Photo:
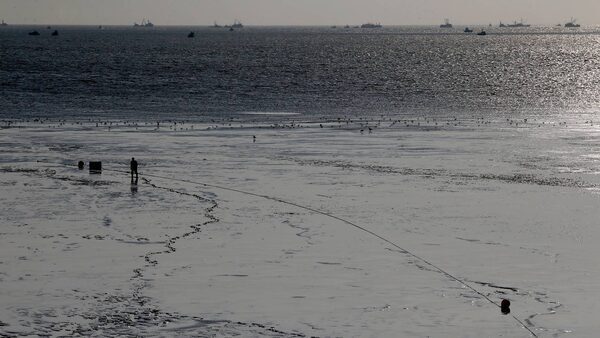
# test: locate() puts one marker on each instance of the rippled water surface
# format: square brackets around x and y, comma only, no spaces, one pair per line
[127,72]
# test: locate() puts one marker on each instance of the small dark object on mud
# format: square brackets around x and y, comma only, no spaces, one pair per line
[505,306]
[80,165]
[95,167]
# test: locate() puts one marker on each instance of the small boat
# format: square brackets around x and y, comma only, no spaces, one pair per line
[334,27]
[468,30]
[347,26]
[237,24]
[191,35]
[145,23]
[231,29]
[572,24]
[370,25]
[446,24]
[501,25]
[215,25]
[482,32]
[55,33]
[519,24]
[34,33]
[3,23]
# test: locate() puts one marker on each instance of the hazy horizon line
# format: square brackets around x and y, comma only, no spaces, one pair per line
[494,24]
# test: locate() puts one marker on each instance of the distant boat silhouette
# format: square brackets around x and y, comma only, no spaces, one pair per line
[145,23]
[501,25]
[55,33]
[446,24]
[3,23]
[100,27]
[191,35]
[231,29]
[468,30]
[215,25]
[371,25]
[518,24]
[236,24]
[34,33]
[482,32]
[572,24]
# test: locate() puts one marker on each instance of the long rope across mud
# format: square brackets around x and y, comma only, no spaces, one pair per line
[327,214]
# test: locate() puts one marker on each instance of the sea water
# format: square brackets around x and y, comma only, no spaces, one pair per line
[140,73]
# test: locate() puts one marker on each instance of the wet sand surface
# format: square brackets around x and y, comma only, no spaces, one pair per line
[508,208]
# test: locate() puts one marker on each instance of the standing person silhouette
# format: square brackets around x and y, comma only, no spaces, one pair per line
[134,169]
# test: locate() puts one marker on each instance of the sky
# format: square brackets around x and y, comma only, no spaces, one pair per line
[298,12]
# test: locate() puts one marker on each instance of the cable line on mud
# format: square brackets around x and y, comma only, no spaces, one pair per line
[327,214]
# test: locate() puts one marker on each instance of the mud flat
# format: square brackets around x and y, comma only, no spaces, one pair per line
[371,228]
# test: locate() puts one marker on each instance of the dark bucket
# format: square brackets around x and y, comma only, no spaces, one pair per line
[95,167]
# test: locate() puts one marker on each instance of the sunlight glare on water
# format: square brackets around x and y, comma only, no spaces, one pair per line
[315,70]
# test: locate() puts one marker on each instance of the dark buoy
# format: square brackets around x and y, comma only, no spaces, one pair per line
[505,306]
[95,167]
[80,165]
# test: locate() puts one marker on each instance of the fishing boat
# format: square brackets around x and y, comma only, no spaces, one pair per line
[55,33]
[3,23]
[215,25]
[519,24]
[34,33]
[446,24]
[572,24]
[482,32]
[145,23]
[191,35]
[237,24]
[468,30]
[370,25]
